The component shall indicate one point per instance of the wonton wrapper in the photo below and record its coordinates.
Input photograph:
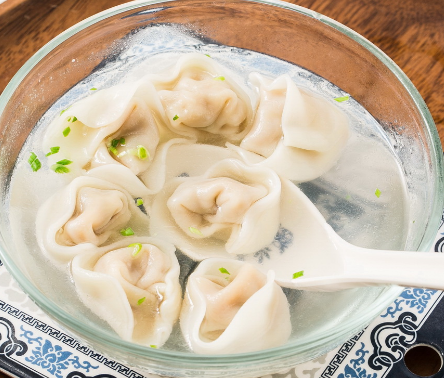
(175, 158)
(298, 135)
(112, 282)
(208, 104)
(207, 216)
(243, 311)
(84, 215)
(127, 110)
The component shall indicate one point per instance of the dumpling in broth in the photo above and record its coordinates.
(201, 101)
(86, 214)
(134, 144)
(231, 307)
(113, 125)
(214, 207)
(298, 135)
(231, 209)
(134, 286)
(98, 212)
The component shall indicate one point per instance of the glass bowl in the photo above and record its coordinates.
(120, 37)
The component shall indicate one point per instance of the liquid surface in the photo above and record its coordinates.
(345, 195)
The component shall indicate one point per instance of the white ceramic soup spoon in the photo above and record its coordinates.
(310, 250)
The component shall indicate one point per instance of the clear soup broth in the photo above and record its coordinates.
(345, 195)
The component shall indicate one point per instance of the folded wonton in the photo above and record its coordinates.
(202, 102)
(298, 135)
(134, 286)
(86, 214)
(231, 307)
(120, 124)
(232, 208)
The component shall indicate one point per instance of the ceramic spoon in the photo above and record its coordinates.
(330, 263)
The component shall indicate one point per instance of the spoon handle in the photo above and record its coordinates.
(416, 269)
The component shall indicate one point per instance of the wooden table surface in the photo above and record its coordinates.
(411, 32)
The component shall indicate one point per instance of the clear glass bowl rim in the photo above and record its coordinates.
(302, 345)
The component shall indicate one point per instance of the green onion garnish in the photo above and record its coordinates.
(298, 274)
(57, 168)
(113, 150)
(126, 231)
(32, 157)
(342, 99)
(64, 162)
(137, 247)
(64, 110)
(195, 231)
(221, 78)
(114, 143)
(139, 202)
(66, 131)
(122, 141)
(175, 117)
(53, 150)
(141, 300)
(142, 152)
(74, 119)
(153, 346)
(377, 193)
(34, 162)
(208, 55)
(224, 271)
(93, 89)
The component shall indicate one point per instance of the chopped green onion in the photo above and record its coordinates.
(342, 99)
(126, 231)
(141, 300)
(153, 346)
(93, 89)
(32, 157)
(115, 143)
(137, 247)
(64, 110)
(66, 131)
(64, 162)
(74, 119)
(377, 193)
(221, 78)
(57, 168)
(139, 202)
(122, 141)
(224, 271)
(208, 55)
(175, 117)
(113, 150)
(142, 153)
(298, 274)
(34, 162)
(53, 150)
(195, 231)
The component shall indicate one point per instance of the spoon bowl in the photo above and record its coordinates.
(329, 263)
